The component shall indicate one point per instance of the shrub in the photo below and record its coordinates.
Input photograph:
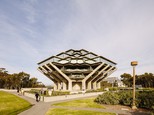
(146, 99)
(33, 91)
(113, 88)
(56, 93)
(97, 90)
(108, 98)
(125, 97)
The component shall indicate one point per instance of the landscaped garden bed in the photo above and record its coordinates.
(144, 99)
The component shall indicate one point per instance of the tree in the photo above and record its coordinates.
(105, 84)
(24, 79)
(33, 82)
(3, 77)
(146, 79)
(115, 84)
(16, 80)
(127, 79)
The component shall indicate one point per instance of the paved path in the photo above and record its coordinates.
(40, 108)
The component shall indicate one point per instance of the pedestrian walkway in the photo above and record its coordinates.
(40, 108)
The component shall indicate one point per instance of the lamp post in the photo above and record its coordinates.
(134, 63)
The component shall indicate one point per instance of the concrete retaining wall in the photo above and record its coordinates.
(58, 98)
(64, 97)
(67, 97)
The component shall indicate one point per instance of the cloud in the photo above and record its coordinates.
(120, 31)
(33, 30)
(28, 7)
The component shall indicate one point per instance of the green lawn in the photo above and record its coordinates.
(57, 111)
(11, 104)
(82, 103)
(89, 102)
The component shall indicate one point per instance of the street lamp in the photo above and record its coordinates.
(134, 63)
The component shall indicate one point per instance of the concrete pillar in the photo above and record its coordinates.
(55, 86)
(64, 86)
(83, 85)
(89, 75)
(59, 85)
(94, 86)
(109, 72)
(70, 85)
(89, 85)
(95, 78)
(60, 72)
(98, 85)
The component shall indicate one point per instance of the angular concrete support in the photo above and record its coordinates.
(76, 69)
(59, 85)
(56, 75)
(108, 74)
(98, 85)
(89, 75)
(70, 85)
(64, 86)
(54, 78)
(83, 85)
(64, 75)
(94, 86)
(55, 87)
(109, 70)
(59, 77)
(98, 75)
(52, 75)
(57, 69)
(89, 85)
(46, 74)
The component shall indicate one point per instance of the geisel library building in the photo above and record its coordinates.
(76, 70)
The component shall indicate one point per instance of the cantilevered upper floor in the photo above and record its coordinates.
(76, 66)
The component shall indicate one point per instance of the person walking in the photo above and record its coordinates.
(18, 90)
(37, 96)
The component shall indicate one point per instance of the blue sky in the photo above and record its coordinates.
(33, 30)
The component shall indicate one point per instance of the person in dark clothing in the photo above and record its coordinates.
(37, 96)
(18, 90)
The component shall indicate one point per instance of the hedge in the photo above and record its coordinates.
(144, 99)
(108, 98)
(56, 93)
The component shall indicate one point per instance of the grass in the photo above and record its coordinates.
(89, 103)
(11, 104)
(82, 103)
(58, 111)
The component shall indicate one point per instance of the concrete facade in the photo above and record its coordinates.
(76, 70)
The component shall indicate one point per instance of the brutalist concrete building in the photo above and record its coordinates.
(76, 70)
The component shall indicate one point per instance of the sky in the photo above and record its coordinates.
(33, 30)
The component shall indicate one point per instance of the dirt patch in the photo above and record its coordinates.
(116, 107)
